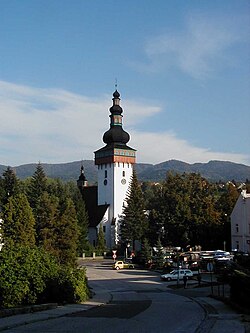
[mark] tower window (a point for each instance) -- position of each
(237, 228)
(123, 173)
(106, 173)
(118, 164)
(237, 245)
(104, 228)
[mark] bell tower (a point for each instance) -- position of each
(115, 163)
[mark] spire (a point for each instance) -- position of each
(116, 134)
(82, 181)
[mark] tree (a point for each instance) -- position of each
(101, 243)
(185, 209)
(82, 219)
(47, 212)
(19, 223)
(67, 234)
(38, 185)
(134, 220)
(10, 185)
(146, 250)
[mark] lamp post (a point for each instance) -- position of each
(126, 249)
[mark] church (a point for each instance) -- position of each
(115, 162)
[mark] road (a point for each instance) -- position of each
(139, 302)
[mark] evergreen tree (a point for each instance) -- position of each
(19, 223)
(82, 219)
(134, 220)
(159, 254)
(38, 186)
(67, 233)
(101, 243)
(10, 185)
(47, 212)
(146, 250)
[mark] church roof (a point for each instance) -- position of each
(95, 212)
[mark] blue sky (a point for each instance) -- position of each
(182, 68)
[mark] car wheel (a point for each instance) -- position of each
(168, 279)
(117, 268)
(130, 266)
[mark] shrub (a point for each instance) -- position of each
(24, 272)
(31, 276)
(69, 286)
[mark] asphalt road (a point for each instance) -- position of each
(139, 302)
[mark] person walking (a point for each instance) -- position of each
(185, 278)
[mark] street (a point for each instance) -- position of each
(139, 302)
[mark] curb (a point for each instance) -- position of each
(27, 309)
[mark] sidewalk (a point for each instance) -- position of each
(56, 312)
(219, 317)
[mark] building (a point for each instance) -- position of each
(115, 163)
(240, 223)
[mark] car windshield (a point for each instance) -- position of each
(174, 272)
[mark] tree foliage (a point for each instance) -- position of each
(10, 185)
(101, 243)
(32, 275)
(185, 212)
(134, 220)
(19, 223)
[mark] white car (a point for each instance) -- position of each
(174, 274)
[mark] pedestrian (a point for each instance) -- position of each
(185, 278)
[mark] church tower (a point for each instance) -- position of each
(115, 168)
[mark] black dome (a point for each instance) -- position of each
(116, 135)
(116, 94)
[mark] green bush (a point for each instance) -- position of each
(24, 272)
(68, 286)
(31, 276)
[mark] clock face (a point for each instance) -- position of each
(105, 182)
(123, 181)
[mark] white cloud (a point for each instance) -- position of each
(159, 147)
(54, 126)
(199, 50)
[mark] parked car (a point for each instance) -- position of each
(121, 264)
(175, 273)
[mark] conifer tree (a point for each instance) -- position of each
(101, 243)
(134, 220)
(38, 185)
(46, 219)
(67, 233)
(82, 219)
(146, 250)
(10, 185)
(19, 223)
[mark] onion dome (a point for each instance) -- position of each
(116, 133)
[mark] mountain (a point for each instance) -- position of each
(213, 170)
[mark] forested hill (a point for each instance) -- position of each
(213, 170)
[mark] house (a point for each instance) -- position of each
(240, 223)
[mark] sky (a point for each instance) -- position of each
(182, 68)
